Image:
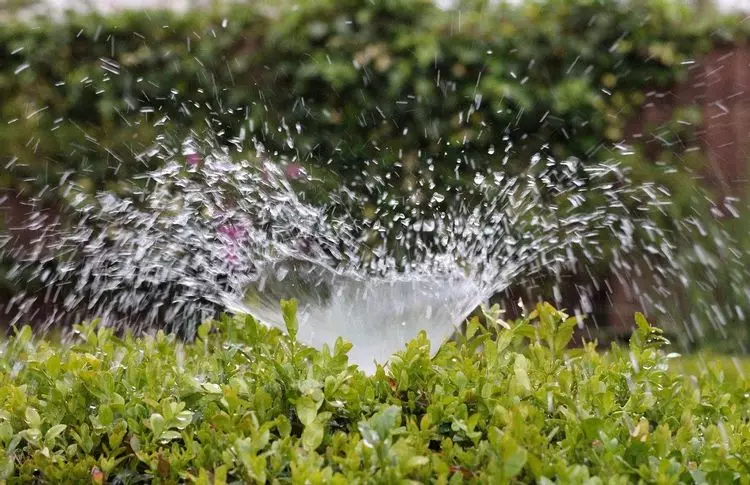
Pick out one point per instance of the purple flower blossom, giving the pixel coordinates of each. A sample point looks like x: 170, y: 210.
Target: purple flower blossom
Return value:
x: 294, y: 171
x: 233, y: 232
x: 193, y: 159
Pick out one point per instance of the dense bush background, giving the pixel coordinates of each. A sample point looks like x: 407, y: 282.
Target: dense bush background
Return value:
x: 380, y: 80
x: 339, y: 84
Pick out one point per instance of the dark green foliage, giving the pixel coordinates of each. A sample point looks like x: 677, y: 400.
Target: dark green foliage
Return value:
x: 506, y: 403
x: 400, y: 82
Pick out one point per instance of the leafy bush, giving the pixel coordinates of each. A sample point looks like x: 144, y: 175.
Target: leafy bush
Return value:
x: 401, y: 82
x: 243, y: 403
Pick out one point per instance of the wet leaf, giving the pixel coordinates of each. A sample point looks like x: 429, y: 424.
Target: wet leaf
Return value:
x: 289, y: 310
x: 53, y: 432
x: 307, y: 410
x: 313, y: 435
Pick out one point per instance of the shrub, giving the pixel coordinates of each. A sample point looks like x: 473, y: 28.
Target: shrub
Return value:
x: 404, y: 83
x: 502, y: 403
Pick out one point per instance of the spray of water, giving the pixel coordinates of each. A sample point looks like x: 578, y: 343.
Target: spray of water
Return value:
x: 206, y: 233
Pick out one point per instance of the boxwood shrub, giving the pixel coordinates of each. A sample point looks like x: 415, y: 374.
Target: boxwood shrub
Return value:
x: 503, y: 402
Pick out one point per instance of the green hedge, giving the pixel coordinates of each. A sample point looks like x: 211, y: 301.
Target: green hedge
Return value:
x: 400, y: 82
x: 245, y: 404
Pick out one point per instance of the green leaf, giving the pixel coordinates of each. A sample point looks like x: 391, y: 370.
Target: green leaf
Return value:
x: 71, y: 450
x: 211, y: 388
x: 313, y: 435
x: 220, y: 475
x: 106, y: 416
x: 54, y: 365
x: 183, y: 419
x: 204, y: 329
x: 472, y: 327
x: 310, y: 387
x: 289, y: 310
x: 31, y: 435
x: 699, y: 477
x: 307, y: 410
x: 370, y: 437
x: 642, y: 323
x: 169, y: 436
x: 24, y: 335
x: 385, y: 421
x: 283, y: 426
x: 6, y: 432
x: 6, y: 467
x: 341, y: 347
x: 591, y: 428
x: 525, y: 330
x: 157, y: 423
x: 564, y: 334
x: 417, y: 461
x: 117, y: 434
x: 504, y: 339
x: 33, y: 420
x: 521, y: 373
x: 54, y: 432
x: 514, y: 457
x: 135, y: 444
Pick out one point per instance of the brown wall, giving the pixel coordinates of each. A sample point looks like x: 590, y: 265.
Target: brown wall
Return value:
x: 719, y: 86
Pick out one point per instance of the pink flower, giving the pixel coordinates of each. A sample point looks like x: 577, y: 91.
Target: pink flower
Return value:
x: 193, y: 159
x: 233, y: 232
x: 294, y: 171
